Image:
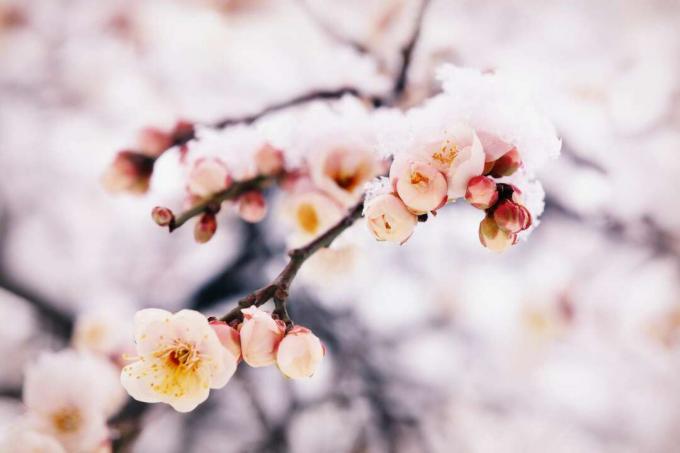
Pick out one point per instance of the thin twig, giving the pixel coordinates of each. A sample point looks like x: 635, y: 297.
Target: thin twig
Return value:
x: 330, y: 31
x: 278, y: 288
x: 401, y: 80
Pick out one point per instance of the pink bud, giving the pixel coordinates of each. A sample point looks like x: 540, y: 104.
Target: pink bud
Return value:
x: 182, y: 132
x: 252, y: 207
x: 388, y: 219
x: 260, y: 336
x: 269, y: 160
x: 511, y: 217
x: 162, y: 216
x: 205, y: 227
x: 507, y: 164
x: 481, y: 192
x: 208, y: 177
x: 129, y: 172
x: 493, y: 237
x: 229, y: 337
x: 420, y: 186
x: 299, y: 353
x: 153, y: 142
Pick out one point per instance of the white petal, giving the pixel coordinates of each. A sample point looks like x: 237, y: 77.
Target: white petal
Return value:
x: 138, y: 379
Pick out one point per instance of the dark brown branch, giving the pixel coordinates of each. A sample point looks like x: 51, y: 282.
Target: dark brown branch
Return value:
x: 278, y: 289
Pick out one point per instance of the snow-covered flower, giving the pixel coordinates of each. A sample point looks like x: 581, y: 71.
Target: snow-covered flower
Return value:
x: 207, y: 177
x: 299, y: 353
x: 180, y: 358
x: 389, y: 219
x: 260, y: 336
x: 420, y: 185
x: 69, y: 396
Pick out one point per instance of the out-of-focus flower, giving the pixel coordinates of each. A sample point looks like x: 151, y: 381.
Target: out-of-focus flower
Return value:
x: 205, y: 227
x: 69, y: 396
x: 260, y: 336
x: 511, y: 217
x: 388, y: 219
x: 180, y: 358
x: 481, y: 192
x: 310, y: 213
x: 152, y: 142
x: 103, y: 331
x: 299, y: 353
x: 269, y: 160
x: 162, y: 216
x: 421, y: 186
x: 341, y: 172
x: 23, y: 438
x: 207, y: 177
x: 129, y: 172
x: 252, y: 206
x: 229, y: 337
x: 493, y: 237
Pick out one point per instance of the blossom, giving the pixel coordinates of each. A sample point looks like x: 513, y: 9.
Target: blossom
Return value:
x: 493, y: 237
x: 481, y: 192
x: 22, y: 438
x: 229, y: 337
x: 207, y: 177
x: 129, y: 172
x: 506, y: 165
x: 69, y: 396
x: 103, y: 331
x: 388, y: 219
x: 420, y: 185
x: 512, y: 217
x: 180, y: 358
x: 311, y: 213
x: 299, y: 353
x: 268, y: 160
x: 260, y: 336
x: 252, y: 206
x: 152, y: 142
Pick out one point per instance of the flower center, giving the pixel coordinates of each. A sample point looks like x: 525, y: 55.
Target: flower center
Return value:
x: 419, y: 178
x: 346, y: 181
x: 308, y: 218
x: 67, y: 420
x: 446, y: 154
x: 180, y: 355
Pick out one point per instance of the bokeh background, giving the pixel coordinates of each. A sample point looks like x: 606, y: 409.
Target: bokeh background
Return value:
x: 567, y: 343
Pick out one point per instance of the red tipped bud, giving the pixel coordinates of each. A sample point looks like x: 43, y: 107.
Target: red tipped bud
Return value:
x: 153, y: 142
x: 269, y: 160
x: 512, y: 217
x: 205, y: 227
x: 507, y: 164
x: 481, y: 192
x: 493, y: 237
x: 252, y: 207
x: 129, y: 172
x: 162, y: 216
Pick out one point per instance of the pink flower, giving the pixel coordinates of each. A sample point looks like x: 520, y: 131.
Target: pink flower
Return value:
x: 228, y: 336
x: 481, y: 192
x: 299, y: 353
x: 269, y: 160
x: 205, y: 227
x: 260, y: 336
x: 252, y: 207
x: 129, y: 172
x: 310, y: 213
x: 388, y: 219
x: 153, y: 142
x: 208, y: 177
x: 512, y: 217
x: 421, y: 186
x: 493, y: 237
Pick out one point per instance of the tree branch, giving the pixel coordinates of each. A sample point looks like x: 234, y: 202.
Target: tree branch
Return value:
x: 278, y: 289
x: 401, y: 80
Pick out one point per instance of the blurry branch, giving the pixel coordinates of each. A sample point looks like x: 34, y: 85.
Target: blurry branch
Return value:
x: 10, y: 392
x: 580, y: 161
x: 127, y: 426
x: 330, y: 31
x: 278, y: 289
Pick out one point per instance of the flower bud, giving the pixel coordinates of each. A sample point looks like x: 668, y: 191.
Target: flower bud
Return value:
x: 269, y: 160
x: 182, y: 132
x: 421, y: 186
x: 260, y: 336
x: 162, y: 216
x: 388, y: 219
x: 129, y: 172
x: 299, y: 353
x: 481, y: 192
x: 205, y: 228
x: 511, y: 216
x: 229, y: 337
x: 493, y: 237
x: 153, y: 142
x: 507, y: 164
x: 208, y: 177
x: 252, y: 207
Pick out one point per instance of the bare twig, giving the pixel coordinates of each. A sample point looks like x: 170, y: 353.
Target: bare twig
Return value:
x: 401, y: 79
x: 330, y: 31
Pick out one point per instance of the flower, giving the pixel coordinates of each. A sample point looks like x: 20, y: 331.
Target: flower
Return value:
x: 482, y: 192
x: 69, y: 396
x: 180, y: 358
x: 388, y: 218
x: 311, y: 213
x: 207, y: 177
x: 420, y: 185
x: 153, y: 142
x: 260, y: 336
x: 512, y: 217
x: 229, y: 337
x: 269, y: 160
x: 252, y: 207
x: 104, y: 331
x: 299, y: 353
x: 493, y: 237
x: 22, y: 438
x: 129, y: 172
x: 506, y: 165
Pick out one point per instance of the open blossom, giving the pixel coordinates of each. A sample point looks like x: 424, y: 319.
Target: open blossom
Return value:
x: 69, y: 396
x: 388, y: 218
x: 420, y: 185
x: 299, y: 353
x: 260, y: 336
x: 229, y: 337
x: 103, y: 331
x: 180, y: 358
x: 207, y: 177
x: 342, y: 171
x: 310, y: 213
x: 129, y: 172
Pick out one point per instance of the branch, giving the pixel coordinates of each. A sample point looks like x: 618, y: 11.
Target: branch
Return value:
x: 330, y: 32
x: 401, y: 80
x: 278, y: 289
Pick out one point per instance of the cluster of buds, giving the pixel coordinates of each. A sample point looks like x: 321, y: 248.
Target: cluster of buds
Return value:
x: 182, y: 356
x: 131, y: 169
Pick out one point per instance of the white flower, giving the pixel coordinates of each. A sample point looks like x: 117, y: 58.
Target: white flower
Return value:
x: 22, y: 438
x: 180, y: 359
x: 260, y: 336
x: 299, y: 353
x: 104, y: 331
x: 310, y: 213
x: 69, y: 396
